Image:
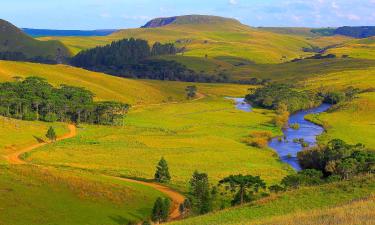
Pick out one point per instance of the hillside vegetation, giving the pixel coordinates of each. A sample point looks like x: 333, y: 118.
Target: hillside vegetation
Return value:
x: 191, y: 136
x: 106, y: 87
x: 211, y: 36
x: 13, y: 40
x: 299, y: 201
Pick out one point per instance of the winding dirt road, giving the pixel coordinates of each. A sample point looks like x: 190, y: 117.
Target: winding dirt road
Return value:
x: 176, y: 197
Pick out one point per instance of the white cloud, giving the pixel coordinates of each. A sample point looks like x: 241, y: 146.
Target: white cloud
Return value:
x: 233, y: 2
x: 353, y: 17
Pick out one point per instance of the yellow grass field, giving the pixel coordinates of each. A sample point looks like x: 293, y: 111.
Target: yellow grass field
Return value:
x: 106, y: 87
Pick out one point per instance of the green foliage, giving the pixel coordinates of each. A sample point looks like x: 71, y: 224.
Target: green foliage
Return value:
x: 276, y: 188
x: 200, y: 190
x: 51, y: 134
x: 273, y: 95
x: 160, y: 211
x: 185, y: 207
x: 306, y: 177
x: 338, y: 158
x: 191, y: 91
x: 35, y: 99
x: 132, y: 58
x: 162, y: 172
x: 241, y: 185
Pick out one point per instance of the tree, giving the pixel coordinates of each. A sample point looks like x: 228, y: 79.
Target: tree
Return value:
x: 191, y: 91
x: 162, y: 172
x: 276, y: 188
x: 200, y: 189
x: 160, y: 211
x: 51, y: 135
x: 241, y: 184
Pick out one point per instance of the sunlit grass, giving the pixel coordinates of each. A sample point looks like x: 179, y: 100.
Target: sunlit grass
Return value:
x: 203, y: 135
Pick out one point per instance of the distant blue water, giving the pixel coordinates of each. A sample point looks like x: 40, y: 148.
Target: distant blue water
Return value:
x: 72, y: 33
x: 287, y: 149
x: 241, y: 104
x: 308, y: 131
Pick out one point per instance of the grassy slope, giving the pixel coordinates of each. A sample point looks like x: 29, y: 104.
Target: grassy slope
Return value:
x: 16, y: 134
x: 352, y: 121
x: 301, y: 200
x: 18, y: 41
x: 106, y: 87
x: 196, y: 135
x: 357, y: 48
x: 358, y: 212
x: 31, y: 193
x: 221, y: 39
x: 35, y: 196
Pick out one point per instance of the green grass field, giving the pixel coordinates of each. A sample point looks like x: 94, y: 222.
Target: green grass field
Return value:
x: 362, y: 48
x: 198, y: 135
x: 358, y: 212
x: 351, y: 121
x: 106, y: 87
x: 32, y: 195
x: 299, y: 201
x: 16, y: 134
x: 220, y: 39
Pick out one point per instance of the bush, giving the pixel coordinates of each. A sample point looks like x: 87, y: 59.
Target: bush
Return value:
x: 294, y: 126
x: 304, y: 177
x: 50, y: 117
x: 258, y: 139
x: 30, y: 116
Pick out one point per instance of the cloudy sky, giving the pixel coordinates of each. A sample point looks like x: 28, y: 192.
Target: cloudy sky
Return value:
x: 99, y: 14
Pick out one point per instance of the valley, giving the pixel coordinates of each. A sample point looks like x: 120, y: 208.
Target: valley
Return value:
x: 144, y: 125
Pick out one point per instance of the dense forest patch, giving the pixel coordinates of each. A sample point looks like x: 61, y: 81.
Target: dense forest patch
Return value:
x: 35, y: 99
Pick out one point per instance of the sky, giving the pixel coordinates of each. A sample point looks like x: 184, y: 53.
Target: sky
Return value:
x: 114, y: 14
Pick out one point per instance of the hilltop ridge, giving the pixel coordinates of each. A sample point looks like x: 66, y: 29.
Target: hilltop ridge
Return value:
x: 188, y: 19
x: 15, y: 43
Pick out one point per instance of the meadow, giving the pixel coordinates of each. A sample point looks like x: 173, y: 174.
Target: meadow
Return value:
x: 294, y: 203
x: 16, y: 134
x: 35, y: 195
x: 106, y: 87
x: 357, y: 212
x: 351, y: 121
x: 229, y: 38
x: 202, y: 135
x: 31, y: 192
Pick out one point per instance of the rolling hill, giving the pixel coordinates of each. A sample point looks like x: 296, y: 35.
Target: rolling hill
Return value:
x: 14, y: 40
x: 206, y: 35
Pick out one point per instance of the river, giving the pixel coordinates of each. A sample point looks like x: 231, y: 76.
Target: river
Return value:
x: 287, y: 148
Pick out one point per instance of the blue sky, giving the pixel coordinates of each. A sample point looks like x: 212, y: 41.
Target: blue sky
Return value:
x: 98, y: 14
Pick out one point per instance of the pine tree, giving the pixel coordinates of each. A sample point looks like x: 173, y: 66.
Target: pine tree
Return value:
x: 51, y: 134
x: 157, y: 210
x: 162, y: 172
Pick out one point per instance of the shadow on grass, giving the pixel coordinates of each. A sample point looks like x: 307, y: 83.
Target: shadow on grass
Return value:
x: 39, y: 140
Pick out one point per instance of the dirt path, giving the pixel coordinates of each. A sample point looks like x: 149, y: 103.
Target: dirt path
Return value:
x: 14, y: 158
x: 176, y: 197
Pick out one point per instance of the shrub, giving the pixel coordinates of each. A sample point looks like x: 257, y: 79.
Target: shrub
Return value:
x: 30, y: 116
x: 258, y: 139
x: 50, y: 117
x: 294, y: 126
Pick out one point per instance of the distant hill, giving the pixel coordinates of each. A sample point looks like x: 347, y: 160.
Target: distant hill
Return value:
x: 188, y: 19
x: 16, y: 45
x: 355, y: 32
x: 67, y: 33
x: 206, y: 38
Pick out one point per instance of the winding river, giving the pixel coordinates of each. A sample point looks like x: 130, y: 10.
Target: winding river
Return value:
x: 287, y: 148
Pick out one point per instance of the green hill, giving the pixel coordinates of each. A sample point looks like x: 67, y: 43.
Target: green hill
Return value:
x: 13, y: 40
x: 202, y: 36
